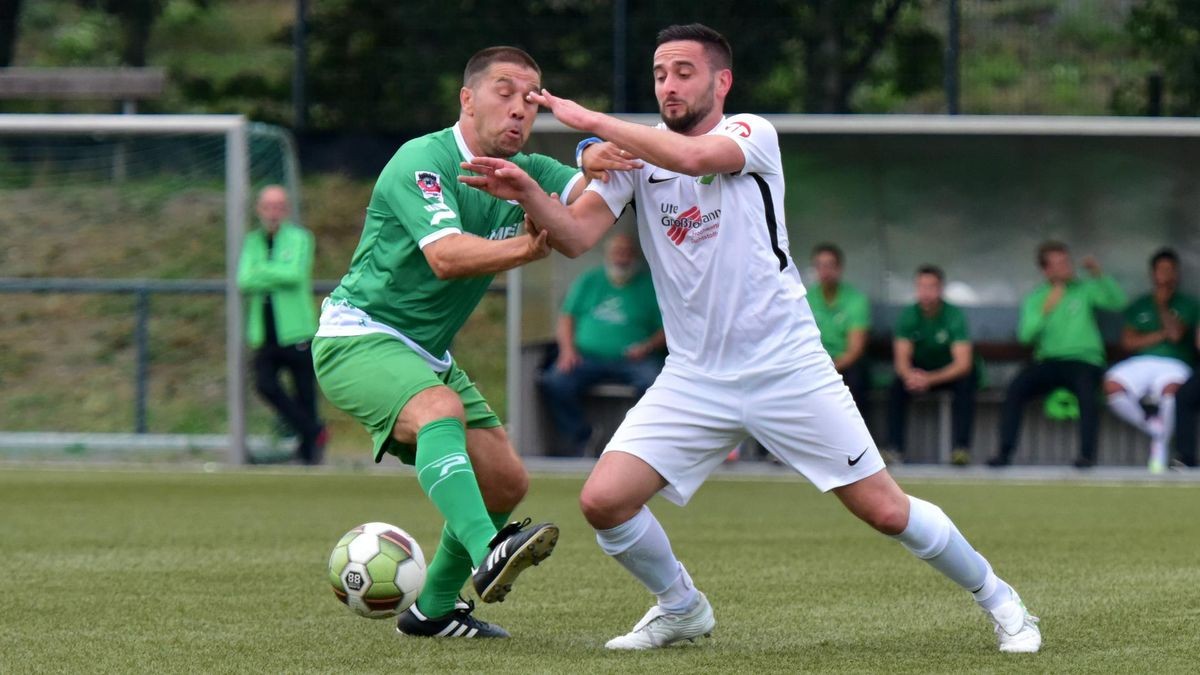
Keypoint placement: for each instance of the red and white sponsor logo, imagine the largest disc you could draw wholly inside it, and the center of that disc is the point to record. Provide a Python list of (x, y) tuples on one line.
[(678, 227), (430, 184), (740, 128)]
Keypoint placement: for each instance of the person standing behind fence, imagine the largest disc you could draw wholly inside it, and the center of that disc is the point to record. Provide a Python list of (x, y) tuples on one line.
[(275, 277), (610, 330), (1058, 319), (1158, 330), (932, 351), (843, 315)]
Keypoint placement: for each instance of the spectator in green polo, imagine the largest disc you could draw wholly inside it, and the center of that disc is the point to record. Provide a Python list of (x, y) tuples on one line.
[(1158, 332), (843, 315), (932, 351), (275, 277), (610, 330), (1058, 319)]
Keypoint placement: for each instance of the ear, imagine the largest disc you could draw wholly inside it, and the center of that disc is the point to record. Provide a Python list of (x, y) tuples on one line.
[(724, 82), (466, 99)]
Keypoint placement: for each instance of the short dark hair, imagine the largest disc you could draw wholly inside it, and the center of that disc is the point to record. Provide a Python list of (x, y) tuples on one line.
[(499, 54), (1164, 253), (832, 249), (1048, 247), (720, 54), (933, 270)]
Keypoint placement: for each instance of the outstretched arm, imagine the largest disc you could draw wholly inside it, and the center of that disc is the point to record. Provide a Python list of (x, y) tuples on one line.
[(572, 230), (690, 155)]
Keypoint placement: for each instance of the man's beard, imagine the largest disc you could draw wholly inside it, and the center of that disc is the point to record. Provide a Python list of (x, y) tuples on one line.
[(688, 121)]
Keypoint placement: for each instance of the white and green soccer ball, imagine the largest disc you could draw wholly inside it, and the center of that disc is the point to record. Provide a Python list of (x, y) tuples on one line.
[(377, 570)]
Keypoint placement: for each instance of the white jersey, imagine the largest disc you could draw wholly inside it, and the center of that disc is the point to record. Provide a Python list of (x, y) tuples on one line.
[(717, 247)]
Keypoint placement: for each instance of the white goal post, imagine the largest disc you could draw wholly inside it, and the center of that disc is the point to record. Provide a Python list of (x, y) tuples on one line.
[(234, 128)]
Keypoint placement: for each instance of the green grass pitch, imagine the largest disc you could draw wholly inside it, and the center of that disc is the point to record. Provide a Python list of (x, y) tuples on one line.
[(113, 571)]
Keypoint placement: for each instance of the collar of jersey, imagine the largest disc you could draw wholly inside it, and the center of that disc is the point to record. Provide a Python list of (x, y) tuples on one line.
[(462, 143)]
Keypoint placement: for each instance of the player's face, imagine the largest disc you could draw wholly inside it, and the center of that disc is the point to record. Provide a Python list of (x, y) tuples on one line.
[(272, 208), (929, 290), (1058, 267), (1165, 274), (685, 85), (500, 115), (827, 267)]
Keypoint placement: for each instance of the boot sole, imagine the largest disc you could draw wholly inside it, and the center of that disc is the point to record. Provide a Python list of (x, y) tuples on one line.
[(533, 552)]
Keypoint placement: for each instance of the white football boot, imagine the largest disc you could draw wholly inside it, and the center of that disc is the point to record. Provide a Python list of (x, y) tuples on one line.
[(1016, 629), (661, 629)]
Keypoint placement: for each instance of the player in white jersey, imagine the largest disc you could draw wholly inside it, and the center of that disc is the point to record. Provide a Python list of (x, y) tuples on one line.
[(745, 354)]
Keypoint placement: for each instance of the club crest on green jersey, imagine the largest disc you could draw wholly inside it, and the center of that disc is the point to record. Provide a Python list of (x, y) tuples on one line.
[(430, 184)]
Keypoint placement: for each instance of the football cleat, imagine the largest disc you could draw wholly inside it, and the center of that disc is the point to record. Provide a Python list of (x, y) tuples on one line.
[(661, 629), (514, 549), (1016, 629), (458, 623)]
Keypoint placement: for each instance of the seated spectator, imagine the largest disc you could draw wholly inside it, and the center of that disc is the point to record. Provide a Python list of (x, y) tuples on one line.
[(932, 351), (610, 330), (1158, 330), (1058, 320), (843, 315), (1187, 405), (275, 277)]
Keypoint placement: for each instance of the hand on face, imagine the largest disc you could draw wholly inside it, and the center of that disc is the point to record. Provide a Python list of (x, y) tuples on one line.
[(565, 110)]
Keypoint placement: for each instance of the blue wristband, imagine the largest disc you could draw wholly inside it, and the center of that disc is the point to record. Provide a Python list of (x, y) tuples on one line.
[(583, 144)]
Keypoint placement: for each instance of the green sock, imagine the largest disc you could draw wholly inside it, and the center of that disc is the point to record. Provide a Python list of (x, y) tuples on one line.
[(448, 571), (445, 474)]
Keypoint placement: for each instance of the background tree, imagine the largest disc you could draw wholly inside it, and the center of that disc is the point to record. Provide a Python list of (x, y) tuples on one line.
[(1168, 31), (10, 12)]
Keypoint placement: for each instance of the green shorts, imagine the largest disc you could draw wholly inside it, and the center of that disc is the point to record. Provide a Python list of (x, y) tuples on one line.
[(372, 377)]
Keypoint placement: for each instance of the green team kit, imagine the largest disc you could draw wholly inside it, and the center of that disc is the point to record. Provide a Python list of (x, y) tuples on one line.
[(391, 290), (384, 337)]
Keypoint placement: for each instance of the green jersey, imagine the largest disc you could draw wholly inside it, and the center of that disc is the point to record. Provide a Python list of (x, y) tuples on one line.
[(608, 319), (1142, 316), (932, 336), (418, 200), (1069, 331), (849, 310)]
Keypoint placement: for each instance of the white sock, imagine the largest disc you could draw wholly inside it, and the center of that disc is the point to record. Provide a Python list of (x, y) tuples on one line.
[(1128, 408), (641, 546), (1166, 413), (932, 537)]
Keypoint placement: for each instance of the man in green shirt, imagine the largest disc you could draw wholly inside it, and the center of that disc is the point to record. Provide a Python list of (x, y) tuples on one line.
[(429, 249), (275, 277), (610, 330), (932, 351), (843, 315), (1158, 331), (1058, 319)]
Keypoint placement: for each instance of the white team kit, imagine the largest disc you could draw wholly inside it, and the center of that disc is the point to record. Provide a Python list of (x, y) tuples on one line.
[(1148, 375), (745, 353)]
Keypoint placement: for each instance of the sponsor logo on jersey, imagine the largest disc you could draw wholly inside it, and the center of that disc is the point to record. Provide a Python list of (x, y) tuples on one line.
[(430, 184), (679, 226), (739, 128), (506, 232)]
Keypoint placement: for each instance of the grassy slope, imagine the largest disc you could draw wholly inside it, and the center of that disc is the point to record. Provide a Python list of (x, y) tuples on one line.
[(171, 572)]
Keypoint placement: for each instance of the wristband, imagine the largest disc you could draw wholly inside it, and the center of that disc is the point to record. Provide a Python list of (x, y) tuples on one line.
[(583, 144)]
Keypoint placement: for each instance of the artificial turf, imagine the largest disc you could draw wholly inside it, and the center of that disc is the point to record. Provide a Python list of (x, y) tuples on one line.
[(140, 571)]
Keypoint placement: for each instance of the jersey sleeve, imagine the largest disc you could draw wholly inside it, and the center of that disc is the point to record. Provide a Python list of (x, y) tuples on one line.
[(906, 323), (420, 192), (759, 143), (552, 175), (1131, 314), (573, 304), (617, 192), (858, 313)]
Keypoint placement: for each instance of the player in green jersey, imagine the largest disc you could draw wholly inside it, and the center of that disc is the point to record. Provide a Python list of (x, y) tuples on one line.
[(429, 249)]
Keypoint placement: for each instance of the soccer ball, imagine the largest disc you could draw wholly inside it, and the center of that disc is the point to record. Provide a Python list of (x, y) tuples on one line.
[(377, 570)]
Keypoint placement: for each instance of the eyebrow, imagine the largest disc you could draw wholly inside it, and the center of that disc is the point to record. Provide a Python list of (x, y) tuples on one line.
[(674, 62)]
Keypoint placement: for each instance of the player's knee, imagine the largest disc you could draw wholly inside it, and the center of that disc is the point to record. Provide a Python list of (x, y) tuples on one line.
[(1112, 387), (887, 517), (1171, 389), (602, 508)]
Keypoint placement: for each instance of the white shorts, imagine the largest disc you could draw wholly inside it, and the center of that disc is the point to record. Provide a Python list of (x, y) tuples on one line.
[(1148, 375), (687, 422)]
